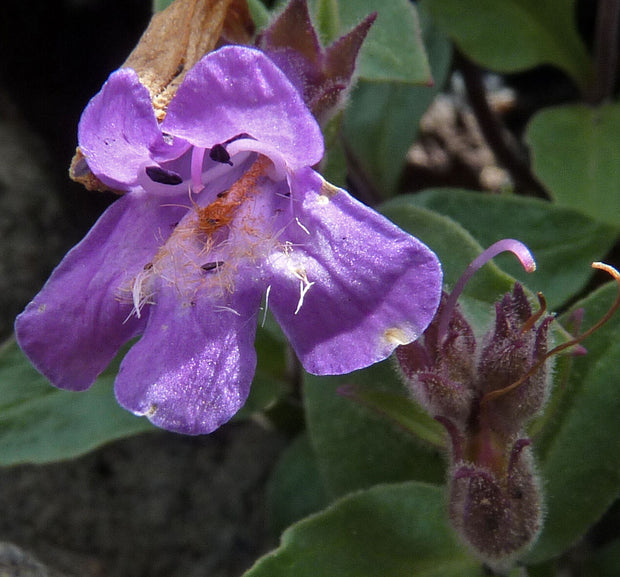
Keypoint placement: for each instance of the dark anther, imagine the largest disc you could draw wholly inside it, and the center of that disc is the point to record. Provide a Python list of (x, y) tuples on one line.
[(212, 265), (163, 176), (222, 194), (219, 154)]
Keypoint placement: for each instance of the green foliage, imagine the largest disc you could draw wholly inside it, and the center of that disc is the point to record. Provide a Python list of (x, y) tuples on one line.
[(575, 152), (357, 447), (389, 530), (359, 444), (296, 487), (579, 450), (358, 432), (40, 424), (604, 562), (269, 384), (393, 51), (328, 19), (514, 35), (400, 409), (382, 119), (260, 14), (564, 242), (454, 246), (368, 471), (382, 59), (159, 5)]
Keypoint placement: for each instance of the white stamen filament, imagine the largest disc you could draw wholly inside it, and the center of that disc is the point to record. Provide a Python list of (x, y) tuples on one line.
[(277, 171), (266, 306), (139, 297), (304, 287), (223, 309), (198, 156), (302, 226)]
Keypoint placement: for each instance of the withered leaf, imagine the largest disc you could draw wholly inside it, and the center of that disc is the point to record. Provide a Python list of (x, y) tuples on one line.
[(180, 36)]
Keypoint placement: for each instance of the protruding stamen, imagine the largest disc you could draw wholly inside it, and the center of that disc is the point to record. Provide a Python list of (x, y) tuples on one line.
[(614, 307), (506, 245), (277, 171), (529, 323)]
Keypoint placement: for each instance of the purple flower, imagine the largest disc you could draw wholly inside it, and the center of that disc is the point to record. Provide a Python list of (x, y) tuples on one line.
[(221, 209)]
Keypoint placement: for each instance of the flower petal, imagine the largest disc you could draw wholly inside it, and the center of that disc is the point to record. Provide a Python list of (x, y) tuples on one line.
[(353, 286), (238, 90), (118, 133), (74, 327), (192, 369)]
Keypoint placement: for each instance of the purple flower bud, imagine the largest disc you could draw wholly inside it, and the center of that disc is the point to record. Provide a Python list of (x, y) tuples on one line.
[(439, 376), (322, 75), (483, 393), (498, 513), (510, 351)]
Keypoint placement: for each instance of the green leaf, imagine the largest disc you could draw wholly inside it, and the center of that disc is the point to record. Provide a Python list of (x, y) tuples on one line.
[(355, 446), (402, 410), (159, 5), (575, 152), (513, 35), (389, 530), (40, 424), (563, 241), (382, 119), (579, 450), (393, 50), (295, 488), (259, 13), (328, 20)]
